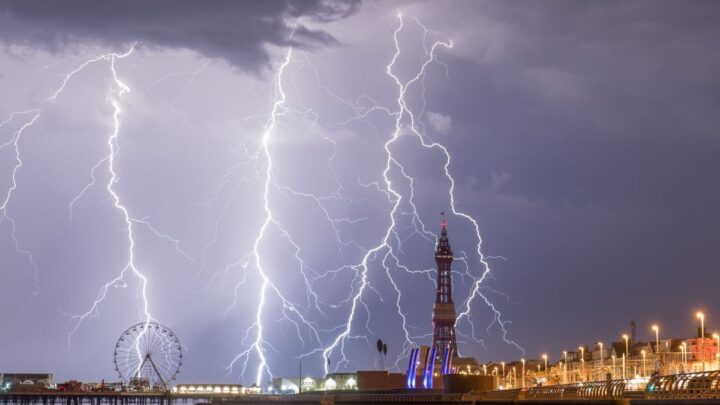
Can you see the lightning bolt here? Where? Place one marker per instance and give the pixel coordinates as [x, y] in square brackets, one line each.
[478, 285]
[193, 75]
[269, 128]
[109, 161]
[14, 142]
[258, 345]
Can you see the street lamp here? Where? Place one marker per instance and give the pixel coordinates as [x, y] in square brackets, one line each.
[684, 356]
[643, 368]
[561, 364]
[626, 338]
[522, 379]
[544, 356]
[656, 329]
[702, 336]
[717, 348]
[627, 351]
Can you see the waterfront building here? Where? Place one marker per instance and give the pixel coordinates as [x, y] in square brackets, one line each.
[25, 381]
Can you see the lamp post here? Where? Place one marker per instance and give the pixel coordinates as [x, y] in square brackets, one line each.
[656, 329]
[644, 370]
[627, 352]
[683, 357]
[544, 356]
[717, 348]
[522, 378]
[626, 338]
[702, 337]
[561, 364]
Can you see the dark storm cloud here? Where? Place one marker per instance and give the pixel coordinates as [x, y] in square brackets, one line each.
[595, 100]
[236, 31]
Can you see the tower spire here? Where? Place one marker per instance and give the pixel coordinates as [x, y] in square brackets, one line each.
[444, 308]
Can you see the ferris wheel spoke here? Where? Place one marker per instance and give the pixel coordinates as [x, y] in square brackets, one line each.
[141, 342]
[129, 359]
[129, 355]
[131, 364]
[150, 336]
[132, 356]
[128, 349]
[163, 371]
[156, 339]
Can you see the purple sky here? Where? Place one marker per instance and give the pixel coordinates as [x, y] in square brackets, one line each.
[583, 136]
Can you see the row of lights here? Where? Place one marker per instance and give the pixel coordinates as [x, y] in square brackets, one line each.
[182, 389]
[626, 338]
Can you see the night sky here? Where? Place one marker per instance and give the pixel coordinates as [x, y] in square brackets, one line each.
[583, 139]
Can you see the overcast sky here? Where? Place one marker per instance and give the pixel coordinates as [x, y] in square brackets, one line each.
[583, 139]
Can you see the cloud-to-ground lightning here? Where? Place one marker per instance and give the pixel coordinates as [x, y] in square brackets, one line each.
[413, 127]
[258, 345]
[14, 143]
[109, 161]
[291, 311]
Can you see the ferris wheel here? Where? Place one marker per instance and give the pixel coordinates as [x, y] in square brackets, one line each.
[148, 355]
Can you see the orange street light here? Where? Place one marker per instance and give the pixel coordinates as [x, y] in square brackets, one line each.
[702, 337]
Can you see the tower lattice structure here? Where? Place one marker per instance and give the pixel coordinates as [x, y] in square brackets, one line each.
[444, 309]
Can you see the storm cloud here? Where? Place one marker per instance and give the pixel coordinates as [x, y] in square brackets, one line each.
[236, 31]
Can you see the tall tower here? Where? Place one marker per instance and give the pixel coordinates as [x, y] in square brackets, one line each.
[444, 309]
